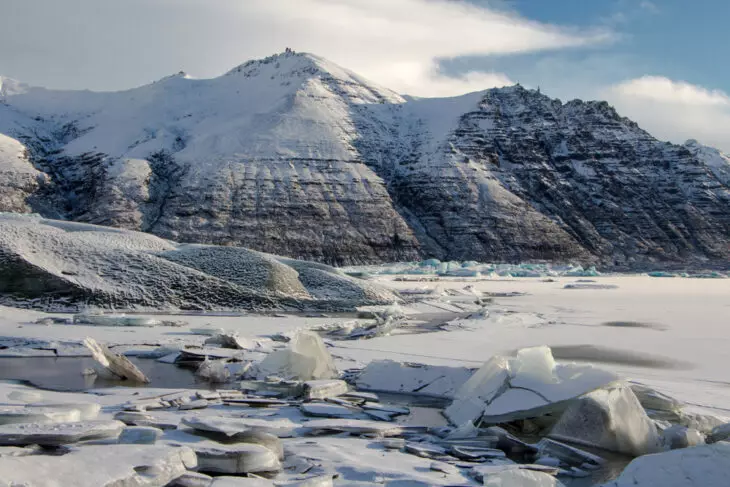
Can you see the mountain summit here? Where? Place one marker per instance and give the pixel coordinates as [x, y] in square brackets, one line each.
[295, 155]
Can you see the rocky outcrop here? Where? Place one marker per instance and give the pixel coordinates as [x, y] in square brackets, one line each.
[293, 155]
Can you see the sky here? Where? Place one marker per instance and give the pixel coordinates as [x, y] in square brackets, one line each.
[659, 62]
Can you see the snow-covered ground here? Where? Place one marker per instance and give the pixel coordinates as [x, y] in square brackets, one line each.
[670, 334]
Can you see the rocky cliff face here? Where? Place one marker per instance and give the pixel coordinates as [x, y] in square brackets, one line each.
[296, 156]
[553, 179]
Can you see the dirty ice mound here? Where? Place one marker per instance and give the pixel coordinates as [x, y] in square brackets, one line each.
[57, 265]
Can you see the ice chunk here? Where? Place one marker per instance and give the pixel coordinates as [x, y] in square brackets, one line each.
[569, 454]
[655, 400]
[507, 474]
[230, 340]
[214, 371]
[38, 415]
[306, 358]
[192, 479]
[118, 365]
[528, 385]
[87, 410]
[325, 410]
[719, 433]
[535, 364]
[25, 396]
[321, 389]
[521, 478]
[704, 465]
[678, 436]
[610, 418]
[236, 426]
[95, 466]
[139, 435]
[235, 458]
[58, 433]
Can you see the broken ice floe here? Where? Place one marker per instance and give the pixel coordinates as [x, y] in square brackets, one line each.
[95, 466]
[530, 384]
[390, 376]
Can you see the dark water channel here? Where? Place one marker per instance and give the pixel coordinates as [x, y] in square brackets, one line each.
[65, 373]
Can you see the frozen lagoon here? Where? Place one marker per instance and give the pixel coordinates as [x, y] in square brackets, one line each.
[669, 333]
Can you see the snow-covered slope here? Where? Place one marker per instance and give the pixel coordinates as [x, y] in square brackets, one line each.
[18, 178]
[296, 156]
[57, 264]
[718, 162]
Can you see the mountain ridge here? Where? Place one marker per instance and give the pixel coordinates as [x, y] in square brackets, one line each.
[296, 156]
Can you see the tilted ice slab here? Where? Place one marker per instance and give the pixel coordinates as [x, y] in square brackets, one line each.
[531, 384]
[99, 466]
[115, 364]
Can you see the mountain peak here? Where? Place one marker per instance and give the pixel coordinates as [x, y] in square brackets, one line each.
[281, 61]
[299, 67]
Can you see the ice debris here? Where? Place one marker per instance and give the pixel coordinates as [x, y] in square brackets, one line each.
[530, 384]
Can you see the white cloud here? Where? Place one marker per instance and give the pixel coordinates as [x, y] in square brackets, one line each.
[665, 90]
[675, 110]
[110, 45]
[397, 43]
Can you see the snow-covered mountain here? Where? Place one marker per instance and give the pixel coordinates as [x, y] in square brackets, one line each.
[296, 156]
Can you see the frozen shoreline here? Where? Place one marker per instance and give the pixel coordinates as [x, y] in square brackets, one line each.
[668, 334]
